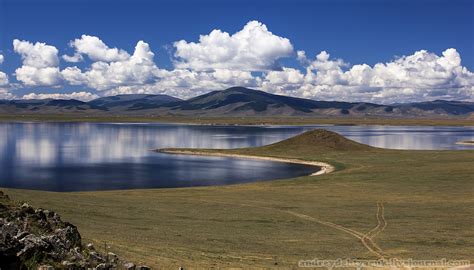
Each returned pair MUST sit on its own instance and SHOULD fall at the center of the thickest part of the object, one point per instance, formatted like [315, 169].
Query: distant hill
[242, 101]
[133, 102]
[235, 102]
[48, 106]
[120, 104]
[440, 107]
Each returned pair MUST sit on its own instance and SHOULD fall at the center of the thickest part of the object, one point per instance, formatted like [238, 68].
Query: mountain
[440, 107]
[133, 102]
[240, 101]
[235, 102]
[120, 104]
[48, 106]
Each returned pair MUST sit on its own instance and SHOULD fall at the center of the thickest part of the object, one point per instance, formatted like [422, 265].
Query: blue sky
[358, 32]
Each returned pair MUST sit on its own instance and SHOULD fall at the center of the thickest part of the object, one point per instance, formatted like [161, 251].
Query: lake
[106, 156]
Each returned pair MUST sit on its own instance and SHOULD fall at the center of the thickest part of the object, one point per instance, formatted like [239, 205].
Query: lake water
[105, 156]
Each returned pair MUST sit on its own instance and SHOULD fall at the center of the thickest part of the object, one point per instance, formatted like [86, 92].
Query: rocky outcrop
[38, 239]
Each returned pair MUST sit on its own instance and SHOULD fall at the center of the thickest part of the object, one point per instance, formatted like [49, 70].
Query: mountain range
[235, 101]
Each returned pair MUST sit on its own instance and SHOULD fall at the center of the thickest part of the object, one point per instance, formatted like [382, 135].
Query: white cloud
[301, 56]
[40, 63]
[137, 69]
[74, 76]
[33, 76]
[5, 94]
[75, 58]
[253, 48]
[3, 79]
[247, 58]
[417, 77]
[420, 76]
[185, 83]
[37, 55]
[281, 81]
[3, 75]
[96, 50]
[84, 96]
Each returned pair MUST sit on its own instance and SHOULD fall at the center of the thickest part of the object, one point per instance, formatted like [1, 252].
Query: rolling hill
[242, 101]
[234, 102]
[48, 106]
[133, 102]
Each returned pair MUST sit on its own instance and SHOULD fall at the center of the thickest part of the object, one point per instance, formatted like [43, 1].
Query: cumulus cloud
[3, 75]
[3, 79]
[96, 50]
[136, 69]
[75, 58]
[37, 55]
[253, 48]
[282, 81]
[40, 63]
[420, 76]
[185, 83]
[5, 94]
[84, 96]
[246, 58]
[417, 77]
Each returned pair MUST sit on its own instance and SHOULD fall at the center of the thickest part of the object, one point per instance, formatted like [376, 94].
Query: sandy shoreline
[466, 143]
[324, 167]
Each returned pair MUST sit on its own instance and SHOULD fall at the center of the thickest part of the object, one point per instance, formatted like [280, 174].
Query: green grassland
[427, 198]
[248, 120]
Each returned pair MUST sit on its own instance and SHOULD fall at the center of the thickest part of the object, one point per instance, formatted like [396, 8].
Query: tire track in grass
[365, 239]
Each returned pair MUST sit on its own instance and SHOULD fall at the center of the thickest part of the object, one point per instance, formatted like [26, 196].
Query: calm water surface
[102, 156]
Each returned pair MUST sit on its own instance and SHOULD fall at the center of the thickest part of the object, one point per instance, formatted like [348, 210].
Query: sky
[382, 51]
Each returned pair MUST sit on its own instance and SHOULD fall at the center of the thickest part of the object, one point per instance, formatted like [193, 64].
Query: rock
[26, 209]
[129, 266]
[50, 214]
[112, 257]
[103, 266]
[3, 196]
[40, 214]
[69, 235]
[46, 267]
[143, 267]
[76, 255]
[68, 264]
[90, 246]
[25, 205]
[31, 245]
[21, 235]
[9, 228]
[40, 237]
[95, 258]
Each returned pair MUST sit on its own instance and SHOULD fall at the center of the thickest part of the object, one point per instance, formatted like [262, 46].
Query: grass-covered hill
[317, 141]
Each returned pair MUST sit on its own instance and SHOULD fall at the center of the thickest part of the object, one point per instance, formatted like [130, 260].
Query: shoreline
[471, 143]
[324, 167]
[250, 120]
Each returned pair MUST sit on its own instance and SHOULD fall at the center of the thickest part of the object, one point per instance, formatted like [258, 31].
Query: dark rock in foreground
[38, 239]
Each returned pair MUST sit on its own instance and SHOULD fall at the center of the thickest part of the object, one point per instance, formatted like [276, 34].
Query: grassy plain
[427, 198]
